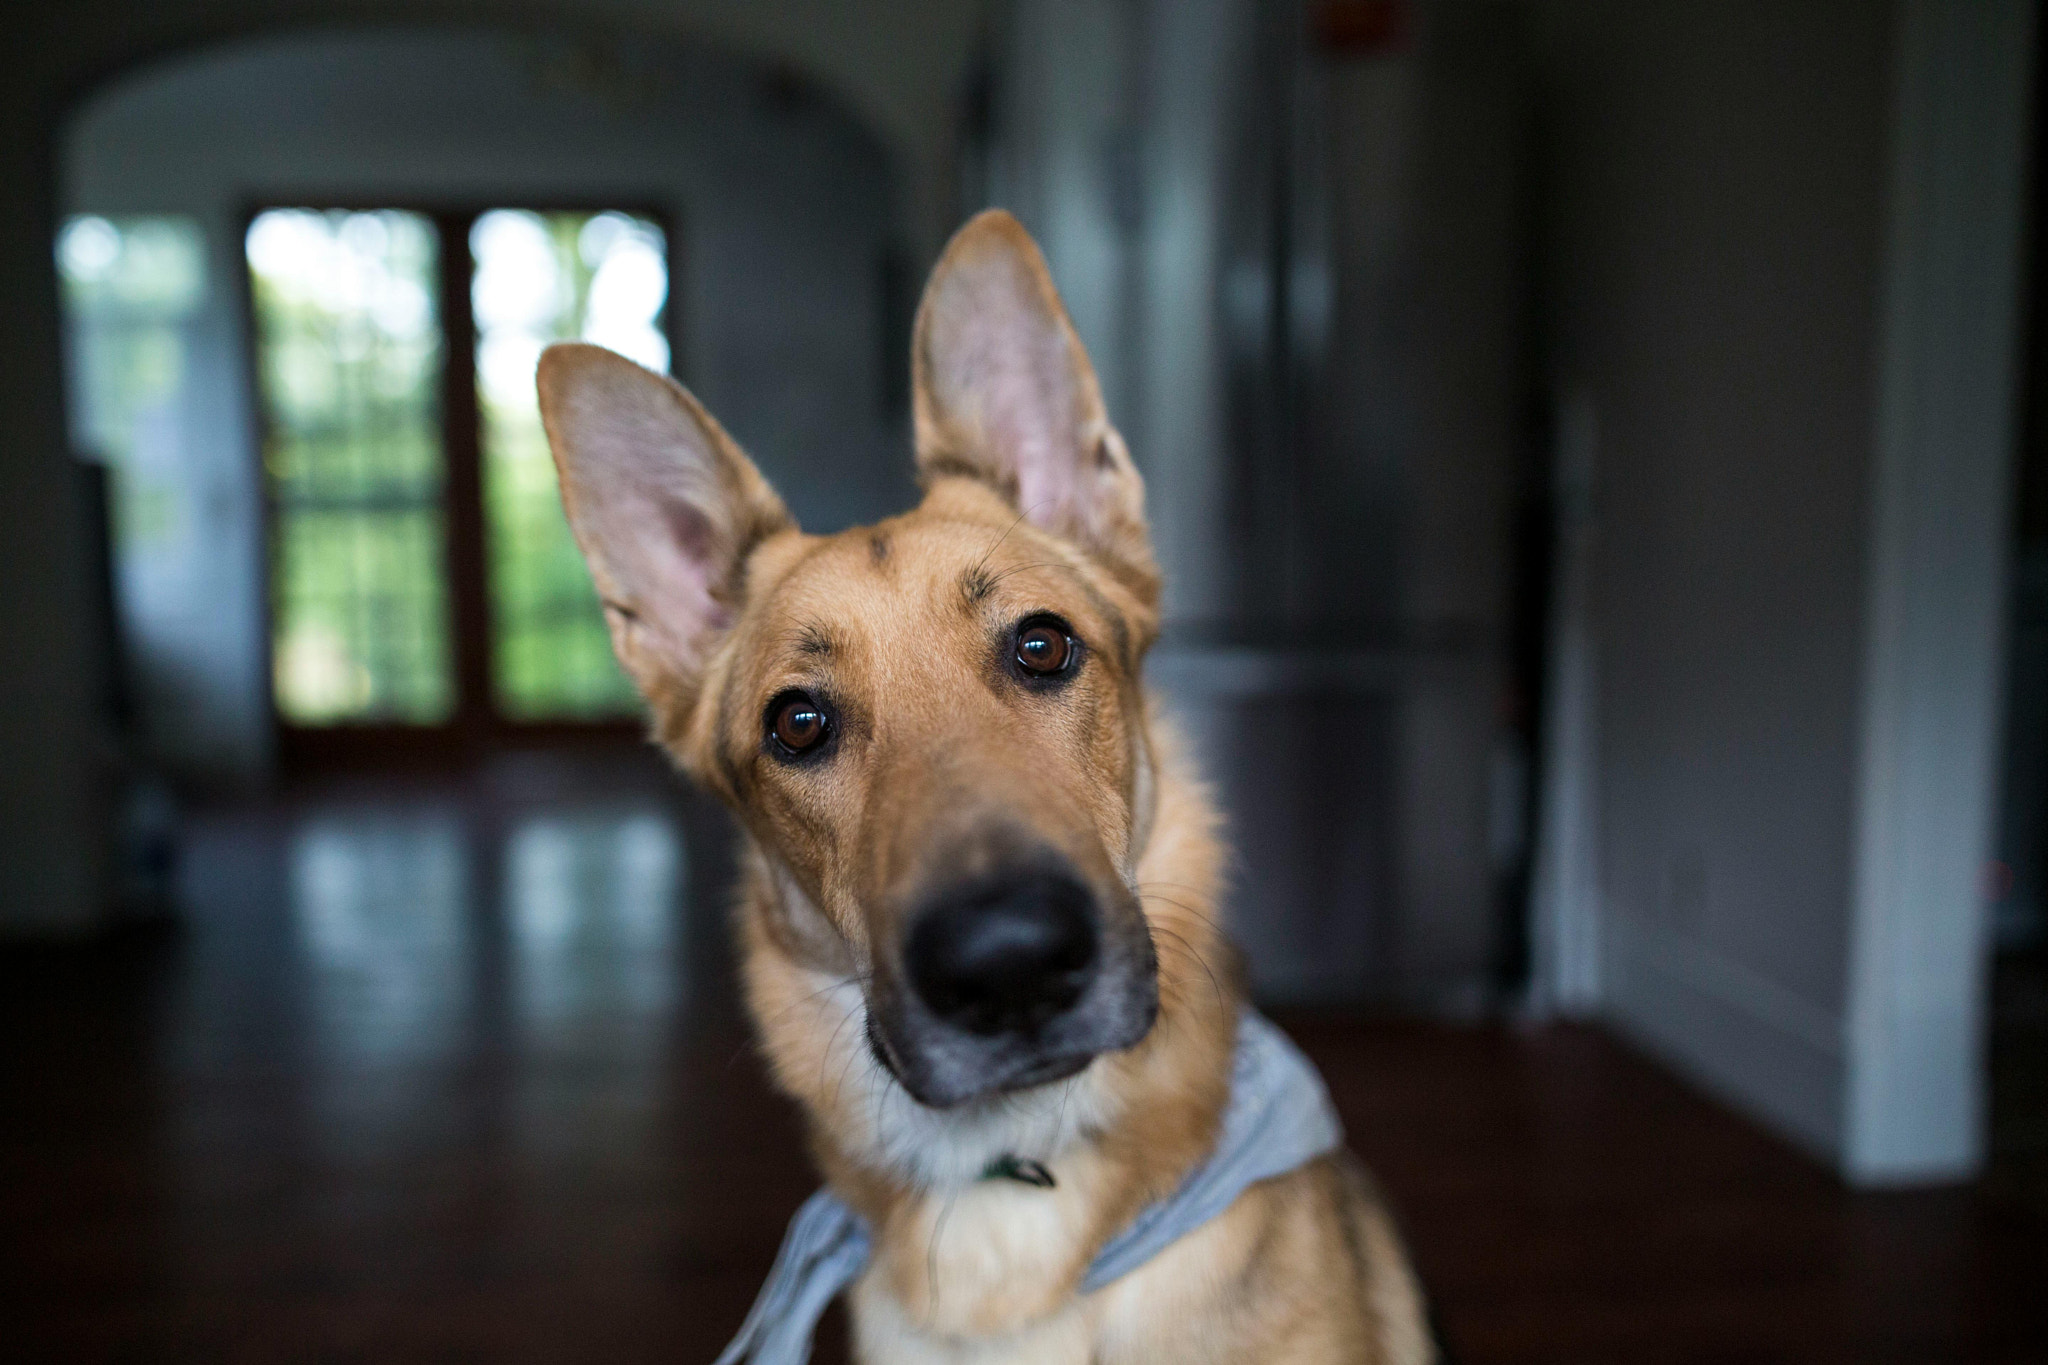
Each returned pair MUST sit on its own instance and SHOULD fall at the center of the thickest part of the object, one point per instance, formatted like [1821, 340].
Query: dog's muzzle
[1015, 978]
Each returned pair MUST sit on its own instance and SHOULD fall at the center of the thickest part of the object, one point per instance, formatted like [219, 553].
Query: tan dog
[979, 911]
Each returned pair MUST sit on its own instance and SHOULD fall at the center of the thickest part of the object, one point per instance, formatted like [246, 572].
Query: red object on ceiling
[1360, 28]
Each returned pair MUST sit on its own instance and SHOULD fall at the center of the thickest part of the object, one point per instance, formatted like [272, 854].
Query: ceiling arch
[897, 64]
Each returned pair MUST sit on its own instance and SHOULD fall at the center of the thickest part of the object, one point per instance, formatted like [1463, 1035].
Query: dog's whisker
[878, 1094]
[1201, 915]
[852, 1059]
[1188, 909]
[1017, 570]
[1199, 893]
[997, 544]
[1200, 961]
[817, 997]
[831, 1044]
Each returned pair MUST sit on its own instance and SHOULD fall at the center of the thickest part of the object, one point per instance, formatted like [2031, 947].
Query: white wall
[1780, 254]
[1938, 536]
[782, 204]
[1714, 201]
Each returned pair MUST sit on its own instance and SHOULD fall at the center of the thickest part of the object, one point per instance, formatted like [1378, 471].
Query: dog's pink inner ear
[1008, 385]
[1005, 393]
[661, 561]
[663, 504]
[697, 566]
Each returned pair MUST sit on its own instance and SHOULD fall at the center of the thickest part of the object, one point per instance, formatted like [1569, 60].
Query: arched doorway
[301, 188]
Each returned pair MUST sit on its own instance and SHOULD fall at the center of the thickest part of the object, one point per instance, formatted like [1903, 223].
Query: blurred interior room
[1598, 452]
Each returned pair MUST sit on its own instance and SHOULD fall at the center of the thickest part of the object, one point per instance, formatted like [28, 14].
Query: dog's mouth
[879, 1050]
[1051, 1069]
[1028, 1076]
[944, 1068]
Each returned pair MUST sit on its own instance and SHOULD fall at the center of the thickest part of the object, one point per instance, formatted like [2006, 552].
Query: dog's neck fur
[965, 1256]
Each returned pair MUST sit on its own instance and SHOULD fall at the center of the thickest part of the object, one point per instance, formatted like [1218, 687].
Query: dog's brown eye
[1043, 649]
[798, 724]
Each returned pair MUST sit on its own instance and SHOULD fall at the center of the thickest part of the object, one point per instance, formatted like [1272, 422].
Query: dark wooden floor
[443, 1077]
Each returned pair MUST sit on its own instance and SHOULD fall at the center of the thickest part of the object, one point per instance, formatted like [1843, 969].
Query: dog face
[931, 727]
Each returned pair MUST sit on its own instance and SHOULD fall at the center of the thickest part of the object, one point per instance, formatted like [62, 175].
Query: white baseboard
[1767, 1050]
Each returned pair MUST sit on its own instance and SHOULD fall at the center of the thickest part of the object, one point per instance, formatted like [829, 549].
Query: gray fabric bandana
[1279, 1117]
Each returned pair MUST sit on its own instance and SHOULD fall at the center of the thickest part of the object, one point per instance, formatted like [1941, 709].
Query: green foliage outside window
[349, 355]
[543, 278]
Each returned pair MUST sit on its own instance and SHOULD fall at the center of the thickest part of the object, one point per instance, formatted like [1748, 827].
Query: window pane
[132, 289]
[543, 277]
[348, 353]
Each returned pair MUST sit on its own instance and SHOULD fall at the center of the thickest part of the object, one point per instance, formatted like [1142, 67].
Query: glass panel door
[348, 360]
[423, 576]
[544, 277]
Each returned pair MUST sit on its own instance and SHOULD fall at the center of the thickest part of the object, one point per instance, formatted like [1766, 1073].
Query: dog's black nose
[1004, 956]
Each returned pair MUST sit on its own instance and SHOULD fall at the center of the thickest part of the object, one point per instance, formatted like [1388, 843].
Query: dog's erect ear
[664, 504]
[1005, 394]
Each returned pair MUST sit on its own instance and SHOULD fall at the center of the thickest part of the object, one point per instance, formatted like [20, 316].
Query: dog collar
[1279, 1118]
[1021, 1169]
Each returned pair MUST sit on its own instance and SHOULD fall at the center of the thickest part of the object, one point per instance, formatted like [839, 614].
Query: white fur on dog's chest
[884, 1332]
[1131, 1320]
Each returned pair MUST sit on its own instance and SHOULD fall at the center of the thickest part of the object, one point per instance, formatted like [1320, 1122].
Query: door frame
[475, 729]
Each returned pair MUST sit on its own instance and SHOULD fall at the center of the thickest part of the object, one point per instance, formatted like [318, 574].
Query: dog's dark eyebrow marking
[976, 583]
[878, 549]
[814, 642]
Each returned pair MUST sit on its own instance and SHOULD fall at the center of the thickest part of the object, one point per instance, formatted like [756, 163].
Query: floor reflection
[456, 1058]
[383, 908]
[591, 902]
[435, 937]
[399, 942]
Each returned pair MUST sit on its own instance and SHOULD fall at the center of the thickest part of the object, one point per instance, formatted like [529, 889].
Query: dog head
[932, 727]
